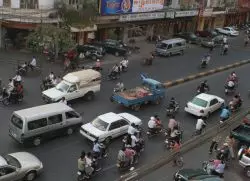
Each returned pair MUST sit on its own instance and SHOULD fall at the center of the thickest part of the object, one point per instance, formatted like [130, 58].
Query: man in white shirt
[152, 123]
[64, 101]
[18, 78]
[51, 76]
[224, 40]
[10, 86]
[33, 62]
[132, 129]
[199, 125]
[134, 141]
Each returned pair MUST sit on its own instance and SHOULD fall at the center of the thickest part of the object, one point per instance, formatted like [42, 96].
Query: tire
[117, 54]
[89, 96]
[30, 176]
[70, 131]
[107, 140]
[247, 172]
[6, 101]
[36, 141]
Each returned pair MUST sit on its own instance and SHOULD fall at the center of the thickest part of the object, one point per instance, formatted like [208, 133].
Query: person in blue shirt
[99, 150]
[225, 114]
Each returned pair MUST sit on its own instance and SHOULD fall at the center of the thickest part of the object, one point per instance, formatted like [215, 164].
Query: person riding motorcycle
[203, 88]
[235, 103]
[98, 65]
[81, 165]
[32, 64]
[124, 64]
[173, 103]
[232, 77]
[119, 87]
[98, 149]
[121, 158]
[223, 152]
[225, 114]
[17, 79]
[154, 125]
[22, 68]
[205, 60]
[200, 125]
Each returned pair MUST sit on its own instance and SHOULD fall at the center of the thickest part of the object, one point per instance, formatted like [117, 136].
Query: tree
[51, 36]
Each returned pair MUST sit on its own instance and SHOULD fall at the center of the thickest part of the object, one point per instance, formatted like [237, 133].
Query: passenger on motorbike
[225, 114]
[153, 125]
[124, 63]
[10, 86]
[17, 79]
[130, 155]
[200, 125]
[203, 87]
[219, 169]
[119, 87]
[175, 134]
[235, 103]
[122, 159]
[171, 124]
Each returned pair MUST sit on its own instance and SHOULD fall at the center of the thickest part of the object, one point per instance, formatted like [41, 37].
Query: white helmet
[98, 60]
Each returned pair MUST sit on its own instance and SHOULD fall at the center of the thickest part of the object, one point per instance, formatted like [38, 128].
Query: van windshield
[162, 45]
[99, 124]
[17, 122]
[62, 86]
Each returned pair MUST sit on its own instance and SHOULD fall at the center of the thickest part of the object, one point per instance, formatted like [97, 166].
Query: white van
[84, 83]
[171, 47]
[34, 125]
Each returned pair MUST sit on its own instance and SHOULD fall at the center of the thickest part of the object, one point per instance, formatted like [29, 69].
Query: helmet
[98, 60]
[152, 118]
[225, 144]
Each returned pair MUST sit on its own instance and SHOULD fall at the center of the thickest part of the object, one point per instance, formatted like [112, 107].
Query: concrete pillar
[125, 34]
[201, 23]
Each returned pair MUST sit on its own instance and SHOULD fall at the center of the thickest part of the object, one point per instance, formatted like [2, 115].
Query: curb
[187, 146]
[204, 74]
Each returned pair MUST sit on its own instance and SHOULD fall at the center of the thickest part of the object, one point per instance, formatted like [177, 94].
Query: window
[6, 171]
[213, 102]
[114, 125]
[55, 119]
[12, 161]
[37, 124]
[16, 121]
[100, 124]
[6, 3]
[29, 4]
[72, 88]
[123, 123]
[170, 46]
[178, 44]
[71, 114]
[199, 102]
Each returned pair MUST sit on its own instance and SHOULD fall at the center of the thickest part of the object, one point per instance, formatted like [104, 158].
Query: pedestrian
[231, 144]
[214, 144]
[246, 40]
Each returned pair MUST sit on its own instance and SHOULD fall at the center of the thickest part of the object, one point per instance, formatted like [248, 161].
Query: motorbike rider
[122, 157]
[119, 86]
[206, 58]
[132, 129]
[17, 79]
[32, 64]
[10, 86]
[98, 149]
[124, 63]
[224, 49]
[224, 40]
[153, 125]
[225, 114]
[63, 100]
[236, 102]
[171, 124]
[246, 40]
[173, 103]
[98, 65]
[200, 125]
[232, 77]
[203, 88]
[175, 134]
[51, 76]
[224, 152]
[82, 164]
[219, 169]
[130, 154]
[23, 67]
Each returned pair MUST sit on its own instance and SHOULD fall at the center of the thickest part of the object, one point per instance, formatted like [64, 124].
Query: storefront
[232, 17]
[205, 19]
[185, 21]
[84, 35]
[218, 19]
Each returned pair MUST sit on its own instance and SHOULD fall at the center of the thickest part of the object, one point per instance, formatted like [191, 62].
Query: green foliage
[50, 36]
[85, 16]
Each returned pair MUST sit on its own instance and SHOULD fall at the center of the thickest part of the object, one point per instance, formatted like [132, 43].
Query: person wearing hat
[231, 144]
[223, 152]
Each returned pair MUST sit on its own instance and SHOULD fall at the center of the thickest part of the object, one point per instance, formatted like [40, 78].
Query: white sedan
[108, 126]
[204, 104]
[228, 31]
[19, 166]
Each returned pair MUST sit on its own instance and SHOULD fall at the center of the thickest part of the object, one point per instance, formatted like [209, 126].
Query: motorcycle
[169, 141]
[199, 91]
[229, 89]
[156, 131]
[12, 98]
[172, 110]
[89, 171]
[221, 155]
[235, 108]
[113, 76]
[46, 84]
[22, 70]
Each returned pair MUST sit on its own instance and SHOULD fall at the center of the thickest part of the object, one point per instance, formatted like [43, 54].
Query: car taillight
[201, 111]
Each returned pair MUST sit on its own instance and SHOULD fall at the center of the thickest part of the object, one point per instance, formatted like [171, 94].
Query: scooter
[172, 110]
[113, 76]
[153, 132]
[229, 89]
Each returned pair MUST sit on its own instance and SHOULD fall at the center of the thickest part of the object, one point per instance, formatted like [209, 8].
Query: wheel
[107, 140]
[30, 176]
[136, 107]
[36, 141]
[179, 162]
[89, 96]
[6, 101]
[70, 131]
[247, 172]
[117, 54]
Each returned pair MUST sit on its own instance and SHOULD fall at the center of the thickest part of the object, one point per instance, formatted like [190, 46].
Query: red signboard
[244, 4]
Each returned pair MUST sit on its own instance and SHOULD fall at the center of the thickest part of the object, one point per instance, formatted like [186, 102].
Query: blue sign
[112, 7]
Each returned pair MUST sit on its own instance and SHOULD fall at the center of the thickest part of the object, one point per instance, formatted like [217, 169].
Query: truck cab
[74, 85]
[244, 160]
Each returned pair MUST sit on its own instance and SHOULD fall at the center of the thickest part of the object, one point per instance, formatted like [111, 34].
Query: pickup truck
[244, 160]
[151, 91]
[242, 134]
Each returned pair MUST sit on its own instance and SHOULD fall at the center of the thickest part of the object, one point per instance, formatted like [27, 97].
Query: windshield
[162, 45]
[99, 124]
[12, 161]
[62, 87]
[199, 102]
[17, 122]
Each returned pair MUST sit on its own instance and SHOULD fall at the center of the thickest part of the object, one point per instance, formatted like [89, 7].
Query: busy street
[59, 156]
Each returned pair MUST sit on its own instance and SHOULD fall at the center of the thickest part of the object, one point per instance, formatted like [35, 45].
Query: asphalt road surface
[60, 155]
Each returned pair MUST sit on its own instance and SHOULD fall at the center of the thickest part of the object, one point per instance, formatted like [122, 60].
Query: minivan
[171, 47]
[36, 124]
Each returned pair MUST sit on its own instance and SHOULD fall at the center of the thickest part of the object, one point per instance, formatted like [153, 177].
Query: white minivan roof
[39, 111]
[174, 40]
[82, 76]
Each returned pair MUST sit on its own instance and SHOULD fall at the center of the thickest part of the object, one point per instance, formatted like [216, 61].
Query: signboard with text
[141, 16]
[112, 7]
[186, 13]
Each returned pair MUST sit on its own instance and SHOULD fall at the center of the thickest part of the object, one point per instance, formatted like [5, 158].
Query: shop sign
[231, 10]
[170, 14]
[142, 16]
[207, 12]
[185, 13]
[112, 7]
[219, 12]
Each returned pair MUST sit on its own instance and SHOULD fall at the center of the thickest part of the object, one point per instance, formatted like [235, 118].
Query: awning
[76, 30]
[23, 26]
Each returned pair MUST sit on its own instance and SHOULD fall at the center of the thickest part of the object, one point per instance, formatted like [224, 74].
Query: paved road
[194, 159]
[59, 155]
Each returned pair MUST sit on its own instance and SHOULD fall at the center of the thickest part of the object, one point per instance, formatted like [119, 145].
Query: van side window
[37, 124]
[178, 44]
[71, 114]
[170, 46]
[72, 88]
[55, 119]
